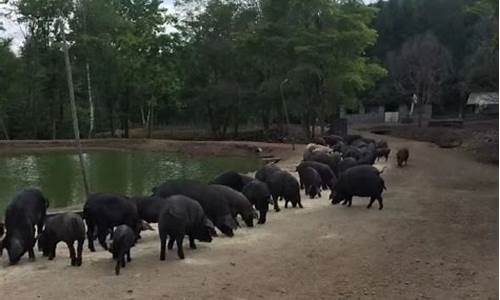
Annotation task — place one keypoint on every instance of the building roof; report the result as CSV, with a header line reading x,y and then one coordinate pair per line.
x,y
482,99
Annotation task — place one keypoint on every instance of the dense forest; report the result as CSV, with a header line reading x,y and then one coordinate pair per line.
x,y
227,63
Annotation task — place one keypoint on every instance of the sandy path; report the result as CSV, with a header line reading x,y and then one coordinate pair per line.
x,y
437,238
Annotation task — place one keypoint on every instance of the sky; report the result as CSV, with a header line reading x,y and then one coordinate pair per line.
x,y
16,31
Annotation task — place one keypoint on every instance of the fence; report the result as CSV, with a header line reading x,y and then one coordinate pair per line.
x,y
377,116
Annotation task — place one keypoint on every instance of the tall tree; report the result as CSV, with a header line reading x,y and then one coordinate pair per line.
x,y
74,115
421,67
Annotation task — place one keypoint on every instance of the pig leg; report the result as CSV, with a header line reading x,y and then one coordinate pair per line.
x,y
128,256
300,204
276,205
163,242
350,201
79,249
31,254
171,243
372,199
52,253
39,228
117,267
122,260
286,203
192,244
180,251
90,235
380,204
101,236
72,253
262,216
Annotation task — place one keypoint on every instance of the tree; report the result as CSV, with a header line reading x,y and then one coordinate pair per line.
x,y
421,67
466,28
74,115
9,85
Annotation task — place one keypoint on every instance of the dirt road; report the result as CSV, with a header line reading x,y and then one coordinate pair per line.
x,y
437,238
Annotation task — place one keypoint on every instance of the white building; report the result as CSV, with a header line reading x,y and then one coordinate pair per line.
x,y
486,103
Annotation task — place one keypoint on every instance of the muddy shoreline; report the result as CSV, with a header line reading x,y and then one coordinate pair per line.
x,y
211,148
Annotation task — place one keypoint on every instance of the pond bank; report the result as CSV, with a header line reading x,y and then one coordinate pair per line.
x,y
212,148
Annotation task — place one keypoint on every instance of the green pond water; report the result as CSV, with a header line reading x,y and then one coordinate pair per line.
x,y
58,175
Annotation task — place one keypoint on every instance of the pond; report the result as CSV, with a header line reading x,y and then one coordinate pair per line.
x,y
58,175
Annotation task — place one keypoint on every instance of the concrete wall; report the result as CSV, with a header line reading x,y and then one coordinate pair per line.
x,y
381,116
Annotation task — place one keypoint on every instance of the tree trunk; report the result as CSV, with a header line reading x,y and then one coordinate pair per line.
x,y
91,101
313,127
225,123
265,120
306,124
150,119
33,114
111,120
211,120
53,107
4,129
420,113
322,125
236,127
144,121
148,116
285,112
125,126
236,114
74,115
54,128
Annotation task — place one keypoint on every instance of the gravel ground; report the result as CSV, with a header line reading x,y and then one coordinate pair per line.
x,y
436,238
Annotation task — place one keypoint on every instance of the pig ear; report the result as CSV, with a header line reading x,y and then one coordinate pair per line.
x,y
209,224
145,226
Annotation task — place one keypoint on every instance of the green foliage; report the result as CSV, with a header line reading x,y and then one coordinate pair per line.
x,y
467,29
230,62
